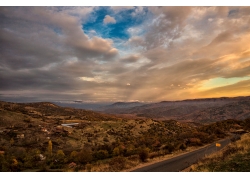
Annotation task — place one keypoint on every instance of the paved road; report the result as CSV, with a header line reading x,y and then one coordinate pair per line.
x,y
181,162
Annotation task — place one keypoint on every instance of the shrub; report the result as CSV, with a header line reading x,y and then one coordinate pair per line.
x,y
154,154
195,142
88,167
169,147
60,156
143,154
84,156
50,147
183,147
117,163
130,150
73,156
101,154
116,151
105,139
247,124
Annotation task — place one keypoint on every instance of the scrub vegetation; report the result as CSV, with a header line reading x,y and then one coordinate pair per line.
x,y
34,139
233,158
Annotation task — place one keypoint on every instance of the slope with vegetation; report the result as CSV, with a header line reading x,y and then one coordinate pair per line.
x,y
233,158
33,138
196,110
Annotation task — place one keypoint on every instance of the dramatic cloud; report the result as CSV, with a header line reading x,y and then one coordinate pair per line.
x,y
123,53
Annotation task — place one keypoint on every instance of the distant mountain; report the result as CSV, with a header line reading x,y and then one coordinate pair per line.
x,y
202,110
118,107
125,104
83,105
106,107
236,110
47,109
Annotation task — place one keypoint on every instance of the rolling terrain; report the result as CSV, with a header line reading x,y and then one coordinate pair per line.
x,y
196,110
46,137
233,158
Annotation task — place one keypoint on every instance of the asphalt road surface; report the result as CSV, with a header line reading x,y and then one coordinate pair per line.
x,y
181,162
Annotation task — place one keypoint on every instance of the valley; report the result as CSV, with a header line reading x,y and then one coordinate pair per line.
x,y
46,137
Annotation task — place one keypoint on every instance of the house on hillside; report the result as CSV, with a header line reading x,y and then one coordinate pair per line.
x,y
70,125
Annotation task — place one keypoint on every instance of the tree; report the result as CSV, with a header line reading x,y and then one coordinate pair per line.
x,y
116,151
60,154
84,156
73,156
50,148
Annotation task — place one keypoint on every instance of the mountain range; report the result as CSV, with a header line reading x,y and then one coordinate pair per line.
x,y
196,110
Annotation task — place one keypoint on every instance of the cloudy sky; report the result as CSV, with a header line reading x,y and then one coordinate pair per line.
x,y
109,54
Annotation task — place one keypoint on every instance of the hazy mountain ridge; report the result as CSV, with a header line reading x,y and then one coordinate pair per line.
x,y
236,110
209,109
118,107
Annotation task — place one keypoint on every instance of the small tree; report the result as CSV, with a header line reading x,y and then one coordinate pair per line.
x,y
73,156
116,151
169,147
14,165
183,146
60,154
50,148
12,141
84,156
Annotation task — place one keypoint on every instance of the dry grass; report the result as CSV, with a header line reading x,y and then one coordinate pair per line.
x,y
234,157
132,163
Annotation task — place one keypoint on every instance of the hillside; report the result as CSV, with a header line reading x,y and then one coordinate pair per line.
x,y
234,158
34,137
197,110
120,106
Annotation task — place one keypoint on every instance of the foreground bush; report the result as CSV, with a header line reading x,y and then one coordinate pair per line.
x,y
234,157
117,163
143,154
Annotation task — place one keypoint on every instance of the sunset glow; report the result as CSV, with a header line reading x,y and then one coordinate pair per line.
x,y
108,54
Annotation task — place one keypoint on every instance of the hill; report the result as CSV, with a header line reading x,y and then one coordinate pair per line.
x,y
46,137
234,158
197,110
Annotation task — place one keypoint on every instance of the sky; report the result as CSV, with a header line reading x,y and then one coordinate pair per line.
x,y
124,53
